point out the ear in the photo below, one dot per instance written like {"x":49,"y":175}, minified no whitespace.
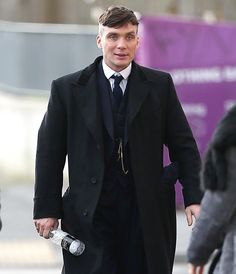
{"x":99,"y":41}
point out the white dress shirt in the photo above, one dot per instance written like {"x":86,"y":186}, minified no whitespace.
{"x":124,"y":73}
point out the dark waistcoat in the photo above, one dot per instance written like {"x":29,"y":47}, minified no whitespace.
{"x":114,"y":126}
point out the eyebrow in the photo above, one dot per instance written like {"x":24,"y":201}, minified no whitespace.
{"x":113,"y":32}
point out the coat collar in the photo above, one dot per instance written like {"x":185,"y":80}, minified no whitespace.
{"x":86,"y":73}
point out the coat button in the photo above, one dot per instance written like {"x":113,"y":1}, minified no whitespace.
{"x":85,"y":212}
{"x":93,"y":180}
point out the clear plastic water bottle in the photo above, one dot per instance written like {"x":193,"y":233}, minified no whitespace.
{"x":66,"y":241}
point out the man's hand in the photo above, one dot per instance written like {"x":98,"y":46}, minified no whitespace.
{"x":193,"y":269}
{"x":190,"y":211}
{"x":43,"y":226}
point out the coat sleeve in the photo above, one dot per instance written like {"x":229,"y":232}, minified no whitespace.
{"x":182,"y":148}
{"x":217,"y":209}
{"x":50,"y":159}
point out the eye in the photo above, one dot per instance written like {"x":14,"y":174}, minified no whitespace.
{"x":112,"y":37}
{"x":130,"y":37}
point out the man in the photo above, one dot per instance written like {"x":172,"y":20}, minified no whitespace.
{"x":120,"y":201}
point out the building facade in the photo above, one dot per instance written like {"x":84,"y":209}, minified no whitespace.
{"x":87,"y":11}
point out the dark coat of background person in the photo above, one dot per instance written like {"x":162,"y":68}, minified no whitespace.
{"x":216,"y":225}
{"x":154,"y":118}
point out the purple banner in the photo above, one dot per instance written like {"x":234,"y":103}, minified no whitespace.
{"x":202,"y":61}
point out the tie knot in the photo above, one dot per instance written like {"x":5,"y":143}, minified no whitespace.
{"x":117,"y":78}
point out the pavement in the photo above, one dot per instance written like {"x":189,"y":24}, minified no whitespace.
{"x":22,"y":251}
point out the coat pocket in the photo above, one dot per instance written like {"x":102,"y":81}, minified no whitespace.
{"x":170,"y":175}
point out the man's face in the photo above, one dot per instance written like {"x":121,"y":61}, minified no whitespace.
{"x":118,"y":45}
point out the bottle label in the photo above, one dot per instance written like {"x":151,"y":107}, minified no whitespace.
{"x":66,"y":242}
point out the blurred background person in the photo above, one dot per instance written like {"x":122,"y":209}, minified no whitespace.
{"x":216,"y":225}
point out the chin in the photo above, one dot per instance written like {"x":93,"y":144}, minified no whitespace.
{"x":122,"y":65}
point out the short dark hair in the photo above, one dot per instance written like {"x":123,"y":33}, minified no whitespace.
{"x":117,"y":16}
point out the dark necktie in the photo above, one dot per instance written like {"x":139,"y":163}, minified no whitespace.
{"x":117,"y":91}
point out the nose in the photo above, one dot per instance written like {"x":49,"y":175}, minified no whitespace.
{"x":121,"y":43}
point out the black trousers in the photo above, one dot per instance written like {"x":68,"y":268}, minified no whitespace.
{"x":118,"y":224}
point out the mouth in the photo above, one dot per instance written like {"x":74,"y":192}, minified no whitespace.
{"x":121,"y":55}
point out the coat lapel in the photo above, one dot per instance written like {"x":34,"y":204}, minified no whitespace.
{"x":86,"y":96}
{"x":138,"y":91}
{"x":104,"y":90}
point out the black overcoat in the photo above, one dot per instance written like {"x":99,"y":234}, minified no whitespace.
{"x":73,"y":127}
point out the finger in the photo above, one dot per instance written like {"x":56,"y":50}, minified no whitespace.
{"x":40,"y":230}
{"x":56,"y":224}
{"x":191,"y":269}
{"x":201,"y":268}
{"x":49,"y":227}
{"x":46,"y":233}
{"x":189,"y":217}
{"x":36,"y":226}
{"x":196,"y":213}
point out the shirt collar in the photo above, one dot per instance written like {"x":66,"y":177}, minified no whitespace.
{"x":109,"y":72}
